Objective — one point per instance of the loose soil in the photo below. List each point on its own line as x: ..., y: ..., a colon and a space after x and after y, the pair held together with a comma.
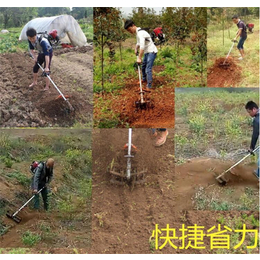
x: 228, y: 75
x: 124, y: 216
x: 160, y: 112
x: 72, y: 73
x: 202, y: 172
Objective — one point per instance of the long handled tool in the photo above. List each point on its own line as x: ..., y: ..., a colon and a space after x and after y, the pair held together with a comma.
x: 221, y: 178
x: 142, y: 103
x: 129, y: 156
x: 14, y: 216
x: 130, y: 175
x: 47, y: 75
x: 229, y: 52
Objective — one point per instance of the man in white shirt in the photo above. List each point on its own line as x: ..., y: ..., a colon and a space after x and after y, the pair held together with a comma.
x: 147, y: 48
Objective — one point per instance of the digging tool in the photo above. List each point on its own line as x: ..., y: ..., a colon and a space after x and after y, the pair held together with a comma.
x: 48, y: 76
x: 130, y: 176
x: 229, y: 52
x: 129, y: 156
x: 142, y: 103
x: 14, y: 216
x: 221, y: 179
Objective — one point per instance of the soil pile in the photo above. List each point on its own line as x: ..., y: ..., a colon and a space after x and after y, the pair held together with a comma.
x: 160, y: 112
x: 227, y: 75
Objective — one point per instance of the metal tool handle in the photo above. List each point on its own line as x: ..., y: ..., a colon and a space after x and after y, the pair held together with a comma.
x: 250, y: 153
x: 27, y: 202
x: 128, y: 165
x: 140, y: 81
x: 229, y: 53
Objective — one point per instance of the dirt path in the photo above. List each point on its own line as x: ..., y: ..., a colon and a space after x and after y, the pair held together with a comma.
x: 20, y: 106
x: 123, y: 216
x: 228, y: 75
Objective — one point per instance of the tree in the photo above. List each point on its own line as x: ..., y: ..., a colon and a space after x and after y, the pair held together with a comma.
x: 107, y: 23
x: 6, y: 12
x: 199, y: 39
x: 145, y: 17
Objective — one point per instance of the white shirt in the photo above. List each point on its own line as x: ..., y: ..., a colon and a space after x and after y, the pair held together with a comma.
x: 145, y: 41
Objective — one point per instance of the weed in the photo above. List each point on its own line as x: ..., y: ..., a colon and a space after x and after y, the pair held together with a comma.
x: 8, y: 162
x: 197, y: 124
x: 221, y: 220
x: 30, y: 239
x: 20, y: 177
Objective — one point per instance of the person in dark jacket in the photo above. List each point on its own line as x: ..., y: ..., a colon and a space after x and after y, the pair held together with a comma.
x: 42, y: 177
x: 253, y: 110
x: 242, y: 34
x: 43, y: 46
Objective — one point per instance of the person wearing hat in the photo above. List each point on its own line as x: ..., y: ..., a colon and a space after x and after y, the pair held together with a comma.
x: 42, y: 177
x: 146, y: 48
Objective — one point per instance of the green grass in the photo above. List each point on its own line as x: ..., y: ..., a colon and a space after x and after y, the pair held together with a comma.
x: 216, y: 49
x: 205, y: 200
x: 20, y: 177
x: 30, y: 239
x: 212, y: 117
x: 9, y: 42
x: 236, y: 223
x: 117, y: 71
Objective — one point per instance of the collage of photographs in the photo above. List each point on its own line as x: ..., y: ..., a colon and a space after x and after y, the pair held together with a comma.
x: 129, y: 130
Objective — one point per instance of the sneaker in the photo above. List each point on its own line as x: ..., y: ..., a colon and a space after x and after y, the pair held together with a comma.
x: 241, y: 58
x: 161, y: 139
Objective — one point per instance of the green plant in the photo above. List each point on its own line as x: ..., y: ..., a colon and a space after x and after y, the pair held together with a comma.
x: 197, y: 124
x: 20, y: 177
x: 30, y: 239
x: 8, y: 163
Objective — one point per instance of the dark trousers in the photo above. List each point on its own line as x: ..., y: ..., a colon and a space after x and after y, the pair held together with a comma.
x: 41, y: 60
x: 44, y: 193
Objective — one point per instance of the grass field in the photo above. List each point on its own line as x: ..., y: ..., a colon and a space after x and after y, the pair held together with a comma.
x: 212, y: 118
x: 216, y: 49
x: 71, y: 188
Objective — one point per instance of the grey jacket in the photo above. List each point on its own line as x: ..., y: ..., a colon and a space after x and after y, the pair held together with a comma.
x: 255, y: 131
x: 42, y: 176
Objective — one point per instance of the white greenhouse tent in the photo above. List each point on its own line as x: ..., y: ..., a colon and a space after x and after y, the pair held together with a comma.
x: 67, y: 27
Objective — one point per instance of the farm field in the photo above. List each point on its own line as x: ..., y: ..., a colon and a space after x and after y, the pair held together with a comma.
x: 235, y: 73
x: 213, y: 131
x: 67, y: 223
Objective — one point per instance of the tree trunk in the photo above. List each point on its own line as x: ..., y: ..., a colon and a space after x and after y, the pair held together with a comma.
x: 120, y: 49
x: 102, y: 62
x: 223, y: 27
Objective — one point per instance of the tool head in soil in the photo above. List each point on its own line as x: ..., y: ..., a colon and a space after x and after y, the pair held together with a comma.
x: 145, y: 104
x: 14, y: 217
x: 131, y: 175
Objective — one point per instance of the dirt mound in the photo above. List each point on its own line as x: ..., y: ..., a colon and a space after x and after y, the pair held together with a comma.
x: 23, y: 107
x: 161, y: 113
x: 228, y: 75
x: 82, y: 49
x: 202, y: 172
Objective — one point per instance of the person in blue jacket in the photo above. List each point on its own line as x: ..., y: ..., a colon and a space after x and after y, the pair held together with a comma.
x: 45, y: 52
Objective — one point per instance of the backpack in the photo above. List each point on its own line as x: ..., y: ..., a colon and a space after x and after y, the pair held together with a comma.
x: 156, y: 33
x: 52, y: 37
x: 34, y: 166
